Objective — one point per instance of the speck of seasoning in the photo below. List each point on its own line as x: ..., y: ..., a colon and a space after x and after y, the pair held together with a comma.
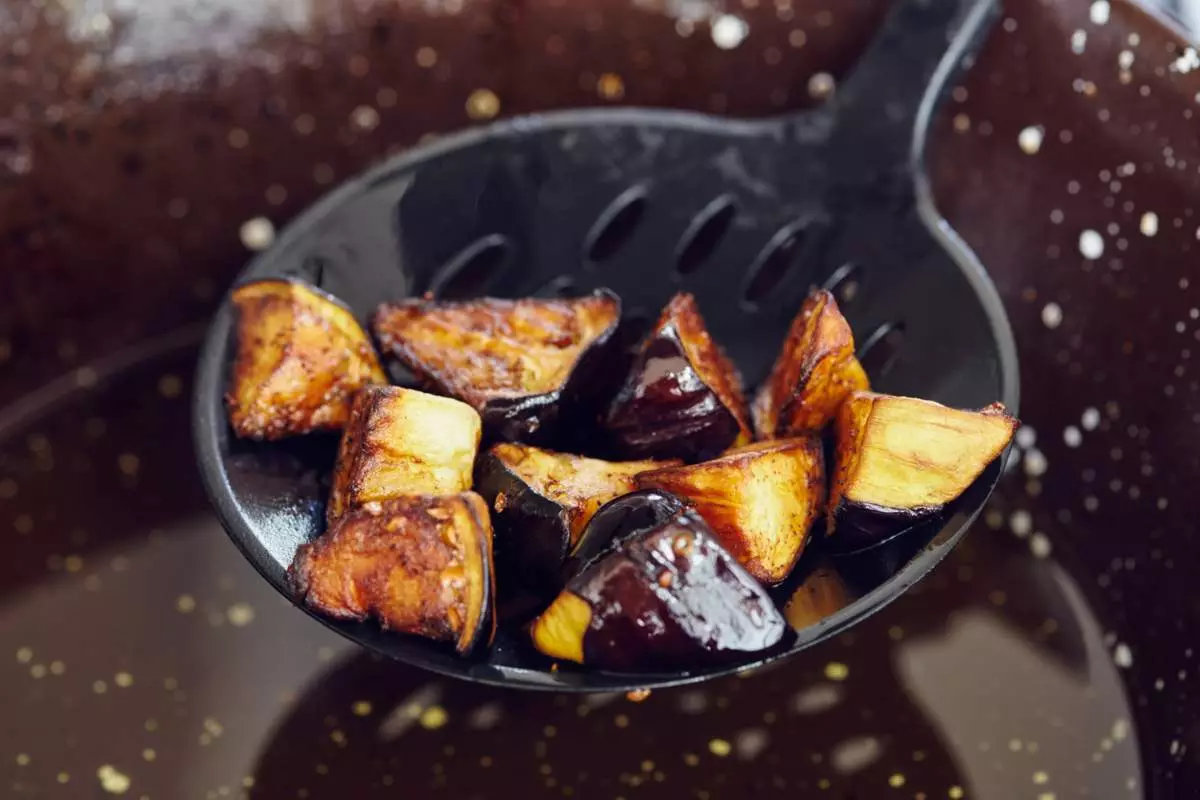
x: 23, y: 759
x: 24, y: 655
x: 483, y: 104
x: 170, y: 386
x: 1091, y: 244
x: 99, y: 687
x: 257, y: 233
x: 151, y: 725
x: 426, y: 57
x: 37, y: 671
x: 365, y: 118
x: 823, y: 783
x: 1046, y: 796
x: 185, y: 604
x: 64, y: 777
x: 123, y: 679
x: 433, y: 718
x: 240, y: 614
x: 610, y: 86
x: 896, y: 780
x: 1122, y: 655
x: 148, y: 754
x: 895, y: 633
x: 238, y: 138
x: 956, y: 793
x: 691, y: 759
x: 73, y: 563
x: 112, y: 780
x: 962, y: 123
x: 719, y: 747
x: 836, y: 671
x: 212, y: 727
x: 1030, y: 139
x: 361, y: 709
x: 1149, y: 224
x: 1041, y: 777
x: 821, y: 86
x: 621, y: 721
x: 797, y: 38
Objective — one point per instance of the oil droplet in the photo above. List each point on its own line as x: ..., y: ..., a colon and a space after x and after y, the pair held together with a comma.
x: 365, y: 118
x: 1091, y: 244
x: 433, y: 718
x: 729, y: 31
x: 123, y: 679
x: 22, y: 759
x: 113, y: 781
x: 1099, y: 12
x: 1078, y: 42
x: 719, y: 747
x: 483, y: 104
x: 240, y: 614
x: 1122, y: 656
x: 836, y: 671
x: 361, y: 709
x: 821, y: 85
x: 1030, y: 139
x: 610, y: 86
x: 1052, y: 315
x: 426, y: 57
x: 186, y: 604
x: 956, y: 793
x: 896, y: 780
x: 258, y: 233
x: 1040, y: 777
x: 1149, y: 224
x: 24, y: 655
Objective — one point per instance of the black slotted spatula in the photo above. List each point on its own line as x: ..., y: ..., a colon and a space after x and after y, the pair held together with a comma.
x: 746, y: 215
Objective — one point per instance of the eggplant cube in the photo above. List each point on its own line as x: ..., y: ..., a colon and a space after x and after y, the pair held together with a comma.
x: 683, y: 397
x: 301, y: 359
x: 400, y: 442
x: 542, y: 500
x: 761, y: 500
x: 901, y: 460
x: 420, y: 565
x: 814, y: 373
x: 666, y: 598
x: 524, y: 365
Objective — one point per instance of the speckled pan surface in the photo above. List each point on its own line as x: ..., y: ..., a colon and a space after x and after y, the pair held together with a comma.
x: 1051, y: 655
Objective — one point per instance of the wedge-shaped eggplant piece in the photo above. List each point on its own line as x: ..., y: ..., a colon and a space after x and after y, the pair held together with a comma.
x: 524, y: 365
x: 301, y: 358
x: 900, y: 460
x: 542, y: 501
x: 682, y: 398
x: 667, y: 598
x: 814, y: 373
x: 761, y: 500
x: 400, y: 442
x: 418, y: 564
x: 617, y: 520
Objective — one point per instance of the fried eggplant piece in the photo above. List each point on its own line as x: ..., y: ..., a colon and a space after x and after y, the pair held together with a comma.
x: 400, y: 442
x: 814, y: 373
x: 667, y: 598
x: 542, y: 500
x: 524, y: 365
x: 301, y: 358
x: 419, y: 564
x: 820, y: 595
x: 761, y: 500
x: 683, y: 397
x: 900, y: 460
x: 617, y: 520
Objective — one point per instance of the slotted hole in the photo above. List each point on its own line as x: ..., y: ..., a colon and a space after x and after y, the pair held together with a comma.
x: 707, y: 230
x: 845, y: 283
x: 879, y: 352
x: 474, y: 270
x: 781, y: 255
x: 615, y: 224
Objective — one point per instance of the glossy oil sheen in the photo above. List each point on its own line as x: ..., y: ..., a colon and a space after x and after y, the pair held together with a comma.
x: 618, y: 520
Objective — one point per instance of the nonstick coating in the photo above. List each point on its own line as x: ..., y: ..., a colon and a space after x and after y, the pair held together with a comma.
x: 564, y: 203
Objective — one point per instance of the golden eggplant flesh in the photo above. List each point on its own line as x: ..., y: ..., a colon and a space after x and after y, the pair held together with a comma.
x: 524, y: 365
x: 667, y: 598
x: 420, y: 565
x: 900, y: 460
x: 683, y: 397
x: 760, y: 500
x: 814, y: 373
x: 542, y: 500
x: 400, y: 442
x: 301, y: 358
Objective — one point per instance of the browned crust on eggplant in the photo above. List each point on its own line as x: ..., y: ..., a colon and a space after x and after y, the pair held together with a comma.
x: 301, y: 358
x: 815, y: 371
x: 707, y: 358
x: 494, y: 349
x: 760, y: 500
x: 899, y: 459
x: 420, y: 565
x: 402, y: 441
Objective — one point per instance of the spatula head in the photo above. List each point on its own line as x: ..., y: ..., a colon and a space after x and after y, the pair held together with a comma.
x: 746, y: 216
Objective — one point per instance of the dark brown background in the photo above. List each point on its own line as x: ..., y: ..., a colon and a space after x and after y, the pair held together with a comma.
x: 1051, y: 656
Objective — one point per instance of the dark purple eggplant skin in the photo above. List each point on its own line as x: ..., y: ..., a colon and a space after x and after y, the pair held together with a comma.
x: 859, y: 526
x: 672, y: 598
x: 618, y: 520
x: 664, y: 409
x: 530, y: 533
x: 550, y: 418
